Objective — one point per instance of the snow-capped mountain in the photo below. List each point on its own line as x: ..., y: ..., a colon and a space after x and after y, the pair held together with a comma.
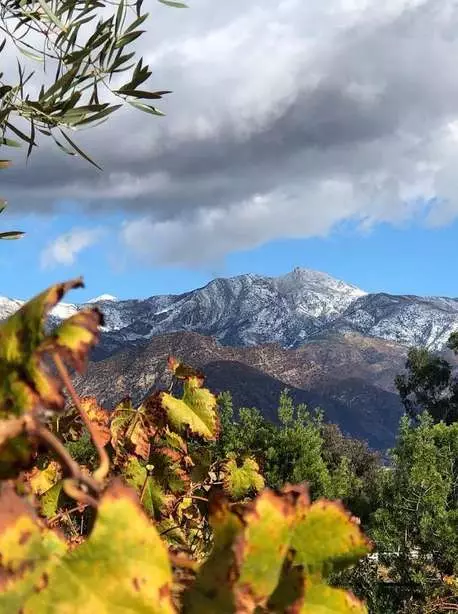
x: 251, y: 310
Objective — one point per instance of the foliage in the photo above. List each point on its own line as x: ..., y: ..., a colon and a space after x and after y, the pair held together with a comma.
x: 301, y: 447
x: 419, y: 517
x: 173, y: 540
x: 291, y: 452
x: 85, y: 45
x: 429, y: 385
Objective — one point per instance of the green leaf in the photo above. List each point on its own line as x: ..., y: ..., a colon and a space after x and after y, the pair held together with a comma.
x: 322, y: 599
x: 11, y: 235
x: 173, y: 4
x: 153, y: 498
x: 49, y: 500
x: 122, y: 567
x: 170, y: 469
x: 326, y: 537
x: 144, y: 94
x: 25, y: 382
x: 196, y: 409
x: 241, y: 481
x: 75, y: 336
x: 80, y: 151
x: 146, y: 108
x: 52, y: 16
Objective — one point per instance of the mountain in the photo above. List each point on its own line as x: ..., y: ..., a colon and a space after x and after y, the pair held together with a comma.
x: 350, y: 377
x: 334, y: 345
x: 249, y: 310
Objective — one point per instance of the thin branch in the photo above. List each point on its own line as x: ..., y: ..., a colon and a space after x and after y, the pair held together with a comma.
x: 34, y: 427
x: 102, y: 471
x: 77, y: 508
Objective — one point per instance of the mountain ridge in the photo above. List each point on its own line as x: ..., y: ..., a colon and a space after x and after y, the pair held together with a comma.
x: 251, y: 309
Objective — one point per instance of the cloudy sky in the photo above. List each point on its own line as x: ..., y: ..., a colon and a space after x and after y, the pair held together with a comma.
x: 317, y: 133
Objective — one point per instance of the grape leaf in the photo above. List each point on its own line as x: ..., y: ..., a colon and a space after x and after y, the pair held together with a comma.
x: 130, y: 429
x: 41, y: 480
x: 262, y: 547
x: 153, y: 498
x: 241, y: 481
x: 325, y: 537
x: 75, y: 336
x: 122, y: 567
x: 100, y: 419
x: 212, y: 589
x: 24, y: 381
x: 322, y: 599
x: 196, y: 409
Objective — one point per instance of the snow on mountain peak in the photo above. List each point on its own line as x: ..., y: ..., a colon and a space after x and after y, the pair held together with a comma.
x: 102, y: 298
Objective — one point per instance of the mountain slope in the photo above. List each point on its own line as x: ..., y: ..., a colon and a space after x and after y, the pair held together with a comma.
x: 349, y: 377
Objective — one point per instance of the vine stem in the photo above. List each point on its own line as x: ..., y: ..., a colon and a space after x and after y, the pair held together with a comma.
x: 102, y: 471
x: 145, y: 483
x: 36, y: 428
x: 77, y: 508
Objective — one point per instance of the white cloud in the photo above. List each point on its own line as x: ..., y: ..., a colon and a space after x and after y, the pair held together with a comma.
x: 287, y: 119
x: 65, y: 248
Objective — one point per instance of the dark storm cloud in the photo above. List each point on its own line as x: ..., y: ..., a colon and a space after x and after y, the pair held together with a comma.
x: 285, y: 118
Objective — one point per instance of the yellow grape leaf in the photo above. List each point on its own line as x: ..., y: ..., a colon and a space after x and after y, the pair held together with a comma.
x: 261, y: 548
x: 123, y: 566
x: 24, y: 381
x: 75, y: 336
x: 42, y: 480
x: 195, y: 410
x: 47, y: 485
x: 326, y: 537
x: 28, y: 552
x: 240, y: 481
x: 322, y: 599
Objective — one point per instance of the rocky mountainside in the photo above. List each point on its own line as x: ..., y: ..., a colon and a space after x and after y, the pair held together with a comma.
x: 350, y: 377
x: 250, y: 310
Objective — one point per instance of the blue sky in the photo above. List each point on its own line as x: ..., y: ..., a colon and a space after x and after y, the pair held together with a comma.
x: 407, y: 259
x: 323, y: 157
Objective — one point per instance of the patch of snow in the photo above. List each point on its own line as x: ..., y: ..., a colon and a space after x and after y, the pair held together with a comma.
x: 102, y: 298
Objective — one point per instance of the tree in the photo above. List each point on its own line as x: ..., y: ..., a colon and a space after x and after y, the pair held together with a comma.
x: 355, y: 470
x: 417, y: 522
x: 428, y: 385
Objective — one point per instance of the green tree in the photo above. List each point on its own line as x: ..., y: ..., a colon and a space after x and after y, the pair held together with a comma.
x: 417, y: 524
x: 428, y: 385
x: 355, y: 471
x: 290, y: 451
